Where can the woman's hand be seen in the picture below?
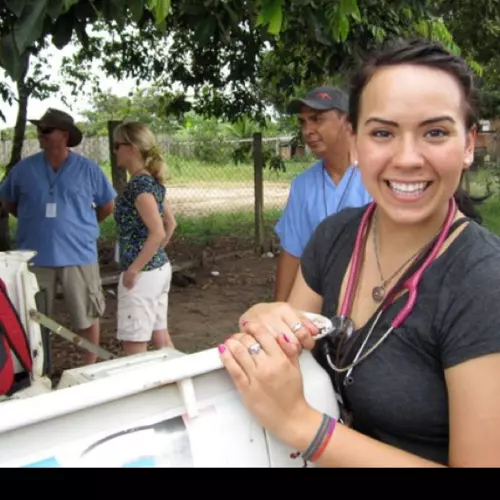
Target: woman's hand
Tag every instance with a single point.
(269, 380)
(129, 278)
(280, 318)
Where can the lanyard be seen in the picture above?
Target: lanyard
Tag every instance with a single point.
(49, 169)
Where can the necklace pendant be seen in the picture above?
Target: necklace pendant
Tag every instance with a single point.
(378, 293)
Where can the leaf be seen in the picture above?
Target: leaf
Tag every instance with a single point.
(29, 26)
(137, 9)
(15, 6)
(61, 34)
(343, 27)
(55, 8)
(276, 19)
(232, 13)
(347, 7)
(69, 3)
(162, 10)
(271, 14)
(379, 34)
(10, 59)
(205, 30)
(83, 38)
(476, 67)
(162, 27)
(119, 6)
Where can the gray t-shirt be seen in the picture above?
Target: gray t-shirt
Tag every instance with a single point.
(398, 394)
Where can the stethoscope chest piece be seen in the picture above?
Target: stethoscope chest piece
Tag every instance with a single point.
(341, 326)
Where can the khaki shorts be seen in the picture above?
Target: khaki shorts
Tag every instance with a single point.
(144, 308)
(82, 289)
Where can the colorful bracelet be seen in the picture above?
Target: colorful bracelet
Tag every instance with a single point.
(320, 441)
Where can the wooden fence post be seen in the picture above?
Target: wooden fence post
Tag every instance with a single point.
(258, 167)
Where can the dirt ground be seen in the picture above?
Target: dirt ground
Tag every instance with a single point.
(203, 198)
(201, 314)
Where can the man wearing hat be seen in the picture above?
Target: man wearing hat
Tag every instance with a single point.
(59, 198)
(330, 185)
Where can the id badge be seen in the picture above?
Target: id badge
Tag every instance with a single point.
(50, 210)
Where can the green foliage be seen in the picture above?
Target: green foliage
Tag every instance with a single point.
(489, 85)
(213, 50)
(271, 15)
(475, 26)
(25, 22)
(144, 105)
(235, 58)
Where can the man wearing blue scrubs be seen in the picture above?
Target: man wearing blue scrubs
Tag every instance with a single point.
(59, 198)
(328, 186)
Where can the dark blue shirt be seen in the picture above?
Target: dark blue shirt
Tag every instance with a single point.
(132, 232)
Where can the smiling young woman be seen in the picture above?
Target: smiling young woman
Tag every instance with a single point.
(411, 282)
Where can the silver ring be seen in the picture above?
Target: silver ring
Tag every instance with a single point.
(295, 328)
(254, 348)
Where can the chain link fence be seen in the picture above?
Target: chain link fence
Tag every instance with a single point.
(226, 195)
(212, 187)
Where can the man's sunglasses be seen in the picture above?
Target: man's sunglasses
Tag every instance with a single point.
(46, 130)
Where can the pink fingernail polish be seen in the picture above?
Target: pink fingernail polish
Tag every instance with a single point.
(286, 338)
(222, 348)
(312, 327)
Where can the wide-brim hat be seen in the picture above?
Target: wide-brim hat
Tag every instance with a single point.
(62, 121)
(321, 99)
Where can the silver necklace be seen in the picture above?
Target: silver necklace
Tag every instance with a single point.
(378, 292)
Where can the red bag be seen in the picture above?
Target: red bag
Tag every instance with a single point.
(13, 340)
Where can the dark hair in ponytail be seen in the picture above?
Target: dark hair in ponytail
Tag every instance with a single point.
(433, 55)
(467, 205)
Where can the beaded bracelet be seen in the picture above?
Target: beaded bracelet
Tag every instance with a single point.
(320, 441)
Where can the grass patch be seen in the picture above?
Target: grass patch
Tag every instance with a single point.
(236, 224)
(198, 230)
(203, 229)
(490, 210)
(190, 171)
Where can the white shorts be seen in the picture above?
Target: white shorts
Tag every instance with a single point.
(144, 308)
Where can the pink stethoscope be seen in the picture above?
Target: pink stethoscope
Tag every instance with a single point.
(342, 324)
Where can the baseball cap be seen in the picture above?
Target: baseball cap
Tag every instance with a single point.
(321, 99)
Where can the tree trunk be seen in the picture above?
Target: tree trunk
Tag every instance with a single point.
(20, 127)
(23, 92)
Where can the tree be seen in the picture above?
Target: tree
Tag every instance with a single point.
(213, 48)
(35, 83)
(145, 104)
(217, 51)
(475, 26)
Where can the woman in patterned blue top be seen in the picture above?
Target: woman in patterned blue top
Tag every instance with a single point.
(141, 213)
